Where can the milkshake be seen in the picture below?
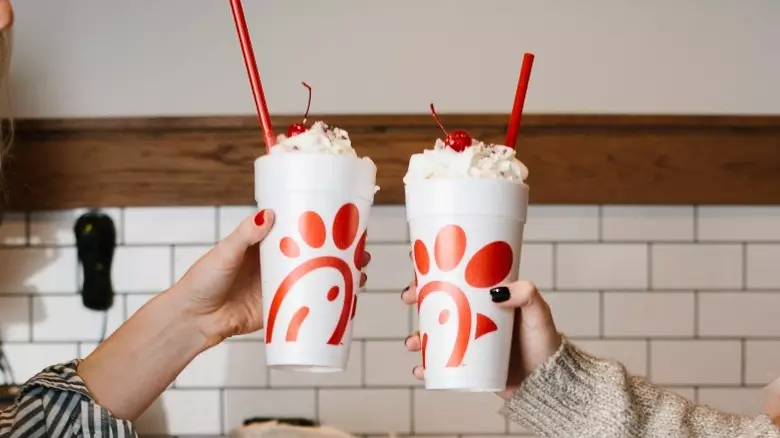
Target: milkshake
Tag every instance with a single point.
(321, 193)
(466, 204)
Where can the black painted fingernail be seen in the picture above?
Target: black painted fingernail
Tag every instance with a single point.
(406, 341)
(499, 294)
(404, 291)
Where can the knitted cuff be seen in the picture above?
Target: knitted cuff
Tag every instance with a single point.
(558, 398)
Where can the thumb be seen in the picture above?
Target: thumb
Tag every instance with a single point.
(249, 232)
(523, 295)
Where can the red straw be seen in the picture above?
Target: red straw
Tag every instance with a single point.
(254, 75)
(517, 107)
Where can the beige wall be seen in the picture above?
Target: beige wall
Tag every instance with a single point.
(180, 57)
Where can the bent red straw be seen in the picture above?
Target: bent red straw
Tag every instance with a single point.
(254, 75)
(517, 107)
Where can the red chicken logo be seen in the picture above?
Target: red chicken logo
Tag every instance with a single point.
(313, 234)
(486, 268)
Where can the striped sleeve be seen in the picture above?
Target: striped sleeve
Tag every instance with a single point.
(56, 403)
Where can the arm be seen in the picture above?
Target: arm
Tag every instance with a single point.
(128, 371)
(574, 394)
(116, 383)
(217, 298)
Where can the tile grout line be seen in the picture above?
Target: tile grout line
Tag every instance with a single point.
(222, 410)
(411, 412)
(743, 362)
(123, 221)
(649, 266)
(555, 266)
(649, 351)
(744, 266)
(631, 242)
(622, 290)
(719, 338)
(31, 314)
(600, 218)
(317, 404)
(363, 361)
(696, 298)
(217, 224)
(172, 259)
(601, 314)
(267, 371)
(685, 339)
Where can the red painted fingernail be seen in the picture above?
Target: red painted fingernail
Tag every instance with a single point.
(260, 218)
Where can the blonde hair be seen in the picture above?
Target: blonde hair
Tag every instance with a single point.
(6, 122)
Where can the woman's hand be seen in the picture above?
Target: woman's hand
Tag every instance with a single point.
(217, 298)
(535, 338)
(222, 289)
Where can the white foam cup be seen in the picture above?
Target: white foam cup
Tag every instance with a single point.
(310, 261)
(466, 238)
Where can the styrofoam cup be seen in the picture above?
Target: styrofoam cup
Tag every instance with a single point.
(466, 239)
(310, 261)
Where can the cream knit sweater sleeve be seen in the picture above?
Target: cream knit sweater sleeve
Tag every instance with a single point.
(577, 395)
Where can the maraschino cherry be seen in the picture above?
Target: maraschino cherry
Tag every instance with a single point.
(457, 140)
(300, 128)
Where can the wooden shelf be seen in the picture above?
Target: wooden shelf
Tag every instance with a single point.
(574, 159)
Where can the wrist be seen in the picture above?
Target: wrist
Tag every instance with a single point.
(198, 327)
(189, 328)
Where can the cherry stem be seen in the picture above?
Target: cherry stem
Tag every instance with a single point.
(436, 117)
(308, 104)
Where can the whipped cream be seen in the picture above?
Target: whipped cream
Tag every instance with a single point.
(319, 139)
(480, 160)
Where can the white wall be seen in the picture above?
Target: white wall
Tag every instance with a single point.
(181, 57)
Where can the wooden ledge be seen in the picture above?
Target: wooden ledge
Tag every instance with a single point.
(579, 159)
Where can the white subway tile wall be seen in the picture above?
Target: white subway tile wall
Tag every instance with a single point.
(685, 295)
(638, 314)
(536, 261)
(762, 272)
(697, 266)
(643, 223)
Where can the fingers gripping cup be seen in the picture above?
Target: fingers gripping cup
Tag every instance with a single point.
(311, 259)
(466, 235)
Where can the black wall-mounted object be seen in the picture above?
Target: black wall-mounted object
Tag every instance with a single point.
(96, 242)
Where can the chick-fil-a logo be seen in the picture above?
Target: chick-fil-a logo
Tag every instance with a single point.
(314, 235)
(486, 268)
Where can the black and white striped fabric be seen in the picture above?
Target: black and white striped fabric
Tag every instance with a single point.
(56, 403)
